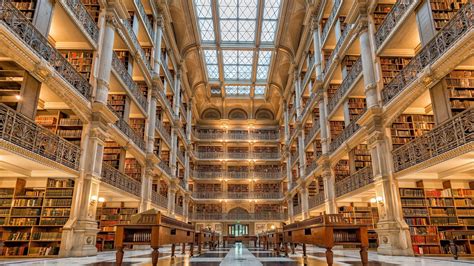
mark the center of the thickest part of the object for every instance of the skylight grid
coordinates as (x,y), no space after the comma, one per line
(237,64)
(237,90)
(206,24)
(238,20)
(271,11)
(259,90)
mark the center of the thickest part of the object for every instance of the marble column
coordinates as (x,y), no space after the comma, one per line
(368,69)
(157,48)
(297,83)
(290,210)
(304,201)
(173,151)
(286,121)
(189,119)
(329,187)
(323,127)
(171,199)
(316,46)
(105,59)
(177,93)
(147,181)
(152,119)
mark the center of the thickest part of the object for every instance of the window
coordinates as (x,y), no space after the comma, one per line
(237,90)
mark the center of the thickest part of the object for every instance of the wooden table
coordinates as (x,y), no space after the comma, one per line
(156,230)
(326,231)
(275,240)
(207,237)
(233,239)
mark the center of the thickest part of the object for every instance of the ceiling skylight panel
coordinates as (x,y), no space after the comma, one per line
(237,90)
(248,9)
(264,57)
(259,90)
(271,9)
(210,56)
(213,71)
(230,72)
(245,57)
(268,31)
(229,30)
(204,14)
(245,72)
(262,72)
(271,12)
(206,29)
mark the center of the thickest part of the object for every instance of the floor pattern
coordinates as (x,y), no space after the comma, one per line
(240,255)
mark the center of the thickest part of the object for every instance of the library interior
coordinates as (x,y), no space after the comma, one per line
(237,132)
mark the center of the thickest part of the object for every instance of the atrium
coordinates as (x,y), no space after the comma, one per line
(232,132)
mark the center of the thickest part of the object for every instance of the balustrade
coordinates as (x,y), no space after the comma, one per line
(164,133)
(311,132)
(130,133)
(79,11)
(237,195)
(392,19)
(457,27)
(311,167)
(178,210)
(266,216)
(454,133)
(355,181)
(21,26)
(297,210)
(132,86)
(348,131)
(337,48)
(346,84)
(159,199)
(236,175)
(119,180)
(144,17)
(316,200)
(136,43)
(330,20)
(21,131)
(165,167)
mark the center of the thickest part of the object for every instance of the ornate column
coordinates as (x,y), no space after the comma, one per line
(157,51)
(368,69)
(301,152)
(296,81)
(290,210)
(323,126)
(186,201)
(171,199)
(317,49)
(288,167)
(173,151)
(329,186)
(304,201)
(147,184)
(105,59)
(152,119)
(286,121)
(393,232)
(80,231)
(189,119)
(177,93)
(187,170)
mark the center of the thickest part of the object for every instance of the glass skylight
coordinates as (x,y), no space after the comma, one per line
(259,90)
(234,41)
(237,90)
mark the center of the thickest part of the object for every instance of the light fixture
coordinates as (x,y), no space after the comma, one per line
(377,199)
(18,97)
(272,227)
(101,199)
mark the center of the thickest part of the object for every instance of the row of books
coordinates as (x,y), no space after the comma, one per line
(60,193)
(138,237)
(60,183)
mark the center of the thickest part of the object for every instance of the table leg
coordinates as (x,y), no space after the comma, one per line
(286,249)
(199,248)
(154,256)
(119,256)
(183,249)
(329,256)
(293,248)
(304,250)
(191,249)
(364,256)
(173,247)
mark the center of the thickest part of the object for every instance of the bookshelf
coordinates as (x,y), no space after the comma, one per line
(361,157)
(117,103)
(332,89)
(267,208)
(108,215)
(347,62)
(336,128)
(27,7)
(444,10)
(33,217)
(143,88)
(62,123)
(133,169)
(391,67)
(138,125)
(266,187)
(238,188)
(341,170)
(208,187)
(460,87)
(380,12)
(409,126)
(112,154)
(356,106)
(81,60)
(363,213)
(208,208)
(93,8)
(432,212)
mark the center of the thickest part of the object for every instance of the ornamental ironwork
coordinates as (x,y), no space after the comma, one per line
(346,84)
(456,28)
(355,181)
(316,200)
(159,199)
(115,178)
(346,133)
(452,134)
(79,11)
(269,216)
(136,43)
(392,19)
(335,52)
(335,9)
(312,132)
(144,17)
(21,26)
(21,131)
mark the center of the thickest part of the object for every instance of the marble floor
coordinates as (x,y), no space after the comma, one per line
(241,255)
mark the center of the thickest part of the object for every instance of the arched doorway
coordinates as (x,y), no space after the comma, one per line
(238,229)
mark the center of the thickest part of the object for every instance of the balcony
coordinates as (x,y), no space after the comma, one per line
(17,23)
(136,45)
(143,16)
(297,210)
(178,210)
(335,52)
(312,132)
(237,195)
(236,175)
(180,156)
(310,167)
(461,24)
(345,86)
(294,158)
(130,133)
(79,12)
(315,201)
(309,71)
(119,180)
(164,133)
(122,74)
(398,13)
(452,134)
(202,155)
(329,23)
(272,136)
(348,132)
(165,167)
(23,132)
(159,199)
(166,102)
(265,155)
(270,216)
(210,135)
(309,105)
(355,181)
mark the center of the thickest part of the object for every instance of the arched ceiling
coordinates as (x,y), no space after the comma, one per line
(220,40)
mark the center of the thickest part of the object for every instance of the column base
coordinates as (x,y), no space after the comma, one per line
(394,239)
(79,239)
